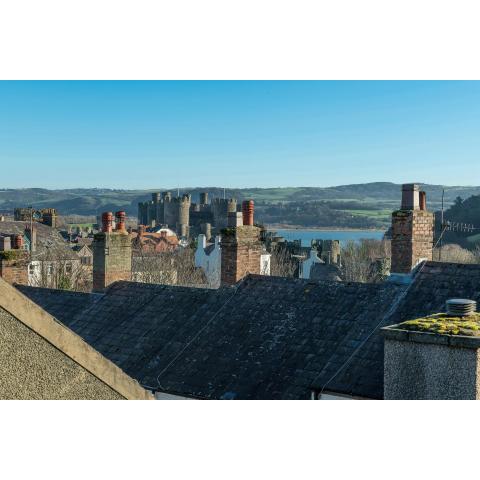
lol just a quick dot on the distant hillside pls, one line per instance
(358, 205)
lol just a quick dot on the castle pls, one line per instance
(184, 216)
(47, 216)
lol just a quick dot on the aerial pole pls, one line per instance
(31, 230)
(441, 229)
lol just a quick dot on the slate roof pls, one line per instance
(266, 338)
(48, 239)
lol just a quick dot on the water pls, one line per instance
(306, 236)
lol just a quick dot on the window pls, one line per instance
(31, 268)
(68, 268)
(50, 269)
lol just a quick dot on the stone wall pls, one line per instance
(429, 366)
(241, 250)
(412, 239)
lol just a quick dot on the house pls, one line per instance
(238, 251)
(35, 254)
(306, 265)
(208, 258)
(42, 359)
(160, 240)
(323, 261)
(84, 253)
(270, 337)
(266, 338)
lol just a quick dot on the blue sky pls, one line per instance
(237, 134)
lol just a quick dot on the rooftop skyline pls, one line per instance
(121, 134)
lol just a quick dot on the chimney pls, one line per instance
(5, 243)
(112, 254)
(247, 210)
(412, 233)
(410, 196)
(17, 242)
(31, 234)
(107, 219)
(436, 357)
(423, 201)
(120, 221)
(241, 251)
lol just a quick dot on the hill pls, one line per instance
(358, 205)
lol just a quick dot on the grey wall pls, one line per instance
(429, 371)
(32, 368)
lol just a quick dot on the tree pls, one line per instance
(58, 268)
(283, 263)
(173, 267)
(366, 261)
(454, 253)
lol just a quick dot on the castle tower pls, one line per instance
(221, 207)
(112, 253)
(203, 198)
(49, 217)
(412, 231)
(241, 251)
(183, 216)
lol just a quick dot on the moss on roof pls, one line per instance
(444, 324)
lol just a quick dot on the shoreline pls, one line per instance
(322, 229)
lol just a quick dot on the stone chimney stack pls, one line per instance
(112, 253)
(434, 358)
(412, 231)
(241, 250)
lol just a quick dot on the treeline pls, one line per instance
(462, 211)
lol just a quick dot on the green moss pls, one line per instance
(10, 254)
(443, 324)
(228, 232)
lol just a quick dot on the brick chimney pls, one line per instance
(112, 253)
(17, 242)
(412, 231)
(247, 211)
(120, 221)
(13, 261)
(241, 250)
(435, 357)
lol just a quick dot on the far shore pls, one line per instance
(317, 229)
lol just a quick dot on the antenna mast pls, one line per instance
(442, 227)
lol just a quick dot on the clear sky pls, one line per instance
(237, 134)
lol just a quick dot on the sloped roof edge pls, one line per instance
(68, 342)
